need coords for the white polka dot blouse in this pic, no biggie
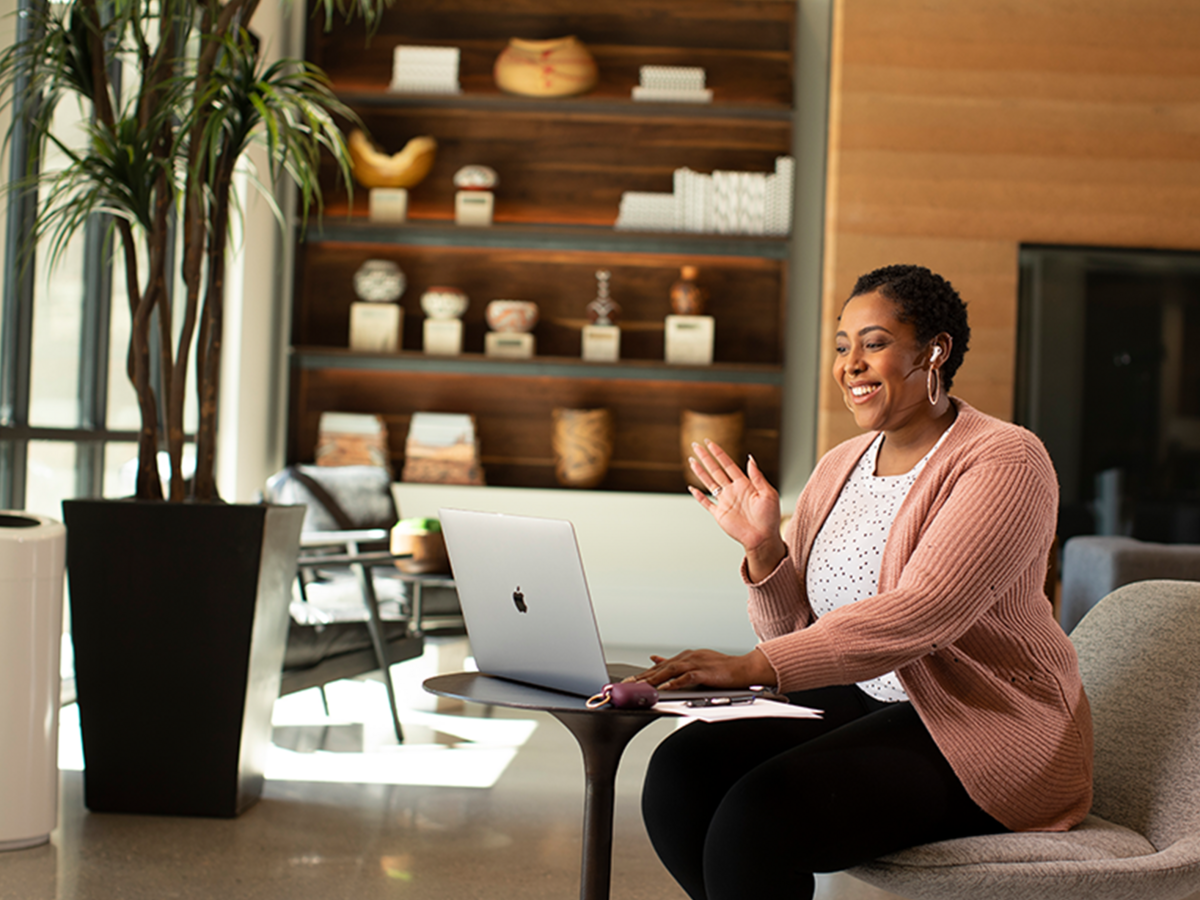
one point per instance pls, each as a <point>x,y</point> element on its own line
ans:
<point>843,566</point>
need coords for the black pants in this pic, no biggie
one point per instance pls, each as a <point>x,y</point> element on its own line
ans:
<point>751,808</point>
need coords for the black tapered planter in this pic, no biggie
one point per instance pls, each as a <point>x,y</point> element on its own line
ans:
<point>179,615</point>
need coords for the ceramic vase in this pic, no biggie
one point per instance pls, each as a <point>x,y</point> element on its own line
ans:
<point>724,429</point>
<point>583,446</point>
<point>687,297</point>
<point>560,67</point>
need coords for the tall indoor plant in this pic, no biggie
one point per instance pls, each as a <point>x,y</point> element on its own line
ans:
<point>177,91</point>
<point>179,610</point>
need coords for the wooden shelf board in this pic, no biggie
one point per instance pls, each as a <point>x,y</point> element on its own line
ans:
<point>548,462</point>
<point>538,367</point>
<point>611,106</point>
<point>336,228</point>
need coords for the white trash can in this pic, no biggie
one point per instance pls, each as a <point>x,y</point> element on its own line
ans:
<point>32,557</point>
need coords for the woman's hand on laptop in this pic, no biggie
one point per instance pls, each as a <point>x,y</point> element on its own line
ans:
<point>693,668</point>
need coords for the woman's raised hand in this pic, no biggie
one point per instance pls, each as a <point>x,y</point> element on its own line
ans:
<point>744,504</point>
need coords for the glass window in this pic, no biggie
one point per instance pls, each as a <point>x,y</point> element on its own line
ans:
<point>57,309</point>
<point>120,464</point>
<point>122,401</point>
<point>57,315</point>
<point>50,477</point>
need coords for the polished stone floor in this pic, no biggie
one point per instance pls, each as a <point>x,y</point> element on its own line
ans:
<point>486,807</point>
<point>519,838</point>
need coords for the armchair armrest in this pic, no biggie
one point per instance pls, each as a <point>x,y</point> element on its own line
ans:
<point>350,540</point>
<point>359,562</point>
<point>334,538</point>
<point>373,558</point>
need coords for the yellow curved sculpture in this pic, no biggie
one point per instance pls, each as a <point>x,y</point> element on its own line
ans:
<point>373,168</point>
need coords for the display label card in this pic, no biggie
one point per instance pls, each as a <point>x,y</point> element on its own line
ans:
<point>689,340</point>
<point>375,327</point>
<point>509,345</point>
<point>388,205</point>
<point>473,207</point>
<point>443,337</point>
<point>601,343</point>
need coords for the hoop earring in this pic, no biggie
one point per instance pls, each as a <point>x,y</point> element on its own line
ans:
<point>933,385</point>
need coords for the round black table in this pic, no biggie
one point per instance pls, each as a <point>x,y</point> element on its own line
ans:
<point>602,735</point>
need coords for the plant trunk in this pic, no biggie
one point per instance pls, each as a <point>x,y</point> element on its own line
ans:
<point>194,239</point>
<point>149,485</point>
<point>208,357</point>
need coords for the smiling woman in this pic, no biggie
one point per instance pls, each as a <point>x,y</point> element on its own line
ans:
<point>896,359</point>
<point>906,600</point>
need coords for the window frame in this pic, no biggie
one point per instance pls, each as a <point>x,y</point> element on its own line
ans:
<point>17,301</point>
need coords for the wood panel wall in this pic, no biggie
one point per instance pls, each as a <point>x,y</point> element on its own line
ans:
<point>961,130</point>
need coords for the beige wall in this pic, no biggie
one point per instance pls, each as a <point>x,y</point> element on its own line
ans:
<point>258,294</point>
<point>960,130</point>
<point>662,576</point>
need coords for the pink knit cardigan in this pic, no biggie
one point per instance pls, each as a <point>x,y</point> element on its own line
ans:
<point>961,615</point>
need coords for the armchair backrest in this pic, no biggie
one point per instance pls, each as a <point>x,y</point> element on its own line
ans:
<point>1095,565</point>
<point>338,497</point>
<point>1141,670</point>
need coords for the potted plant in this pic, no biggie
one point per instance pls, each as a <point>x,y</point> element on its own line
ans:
<point>179,609</point>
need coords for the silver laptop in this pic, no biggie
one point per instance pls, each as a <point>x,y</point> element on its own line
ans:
<point>526,604</point>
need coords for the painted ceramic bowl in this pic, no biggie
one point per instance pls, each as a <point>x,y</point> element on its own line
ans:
<point>441,302</point>
<point>512,315</point>
<point>476,178</point>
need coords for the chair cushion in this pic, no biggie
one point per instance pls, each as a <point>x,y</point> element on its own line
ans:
<point>308,645</point>
<point>1092,839</point>
<point>440,601</point>
<point>337,597</point>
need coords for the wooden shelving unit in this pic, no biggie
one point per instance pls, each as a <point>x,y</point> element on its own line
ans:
<point>563,165</point>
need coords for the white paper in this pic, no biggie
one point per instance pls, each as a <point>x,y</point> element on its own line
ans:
<point>759,709</point>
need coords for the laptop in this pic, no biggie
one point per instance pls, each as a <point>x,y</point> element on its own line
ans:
<point>526,604</point>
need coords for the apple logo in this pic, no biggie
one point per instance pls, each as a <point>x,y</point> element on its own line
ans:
<point>519,600</point>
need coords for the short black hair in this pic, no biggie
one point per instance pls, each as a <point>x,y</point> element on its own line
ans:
<point>928,302</point>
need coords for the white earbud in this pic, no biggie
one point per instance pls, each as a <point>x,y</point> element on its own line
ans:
<point>937,351</point>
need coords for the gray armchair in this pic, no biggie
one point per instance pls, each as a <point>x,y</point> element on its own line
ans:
<point>1095,566</point>
<point>354,612</point>
<point>1137,652</point>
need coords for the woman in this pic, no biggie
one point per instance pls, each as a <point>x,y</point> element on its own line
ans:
<point>906,601</point>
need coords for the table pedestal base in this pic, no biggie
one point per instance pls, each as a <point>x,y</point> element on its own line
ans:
<point>602,735</point>
<point>602,739</point>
